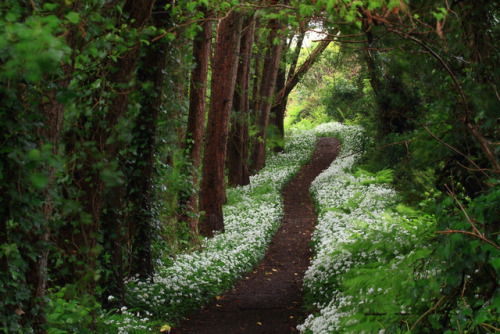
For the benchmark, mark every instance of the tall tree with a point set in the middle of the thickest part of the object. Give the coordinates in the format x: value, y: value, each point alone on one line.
x: 295, y: 77
x: 151, y: 76
x: 103, y: 199
x: 224, y: 70
x: 279, y: 108
x: 256, y: 75
x: 53, y: 111
x: 197, y: 110
x: 268, y: 83
x: 239, y: 134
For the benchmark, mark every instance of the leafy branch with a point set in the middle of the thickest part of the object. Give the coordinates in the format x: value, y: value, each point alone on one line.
x: 476, y: 233
x: 467, y: 118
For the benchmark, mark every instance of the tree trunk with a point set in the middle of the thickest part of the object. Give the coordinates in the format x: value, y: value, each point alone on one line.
x: 141, y: 218
x: 478, y: 20
x: 257, y: 76
x: 224, y: 70
x: 36, y: 277
x: 296, y: 53
x: 376, y: 75
x: 279, y: 108
x: 270, y: 72
x: 238, y: 138
x: 196, y: 118
x: 295, y: 78
x: 104, y: 150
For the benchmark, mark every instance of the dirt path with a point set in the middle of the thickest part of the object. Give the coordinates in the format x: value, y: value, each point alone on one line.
x: 269, y: 299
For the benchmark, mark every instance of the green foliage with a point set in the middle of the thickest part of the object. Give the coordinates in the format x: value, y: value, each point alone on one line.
x: 380, y: 177
x: 67, y: 54
x: 468, y: 266
x: 68, y: 312
x: 30, y: 48
x: 334, y: 89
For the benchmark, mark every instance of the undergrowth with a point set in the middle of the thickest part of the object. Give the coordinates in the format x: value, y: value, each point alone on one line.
x: 380, y: 266
x: 251, y: 216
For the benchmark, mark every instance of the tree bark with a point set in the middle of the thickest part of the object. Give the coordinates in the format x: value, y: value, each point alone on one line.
x: 270, y: 72
x: 196, y: 118
x: 238, y: 138
x: 104, y: 150
x: 279, y: 108
x: 224, y: 70
x: 295, y: 78
x: 53, y: 111
x: 140, y: 187
x: 257, y: 76
x: 114, y: 203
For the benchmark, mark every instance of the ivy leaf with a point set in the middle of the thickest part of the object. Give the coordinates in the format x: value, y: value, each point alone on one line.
x: 73, y: 17
x: 39, y: 180
x: 34, y: 155
x: 191, y: 6
x: 50, y: 6
x: 496, y: 263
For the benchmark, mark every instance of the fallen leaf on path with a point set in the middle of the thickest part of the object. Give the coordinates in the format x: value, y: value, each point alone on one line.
x: 165, y: 329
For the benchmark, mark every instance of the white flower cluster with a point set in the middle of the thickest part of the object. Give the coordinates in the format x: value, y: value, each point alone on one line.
x: 127, y: 321
x: 351, y: 210
x: 251, y: 218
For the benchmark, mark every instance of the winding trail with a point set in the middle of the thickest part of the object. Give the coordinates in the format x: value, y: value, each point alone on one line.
x: 269, y: 299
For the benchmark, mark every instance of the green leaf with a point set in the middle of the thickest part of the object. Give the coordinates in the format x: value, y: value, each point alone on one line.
x: 438, y: 16
x: 39, y: 180
x: 355, y: 4
x: 495, y: 263
x: 34, y: 155
x: 73, y: 17
x: 50, y: 6
x: 191, y: 6
x: 306, y: 10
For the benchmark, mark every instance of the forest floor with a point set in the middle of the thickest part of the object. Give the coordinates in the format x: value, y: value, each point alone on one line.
x: 269, y: 299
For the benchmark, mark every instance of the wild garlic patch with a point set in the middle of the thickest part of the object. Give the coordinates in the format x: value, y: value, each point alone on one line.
x: 364, y: 244
x: 251, y: 216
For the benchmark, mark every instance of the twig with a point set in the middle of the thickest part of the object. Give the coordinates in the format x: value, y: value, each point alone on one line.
x: 467, y: 119
x: 220, y: 18
x: 34, y: 6
x: 490, y: 326
x: 459, y: 329
x: 463, y: 293
x: 452, y: 194
x: 448, y: 231
x: 453, y: 149
x: 397, y: 143
x: 478, y: 170
x: 180, y: 26
x: 427, y: 313
x: 385, y: 313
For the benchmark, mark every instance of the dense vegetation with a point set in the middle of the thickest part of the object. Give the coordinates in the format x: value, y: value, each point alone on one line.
x: 113, y: 111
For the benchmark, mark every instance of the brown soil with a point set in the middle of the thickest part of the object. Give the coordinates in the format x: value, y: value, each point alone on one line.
x: 269, y: 299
